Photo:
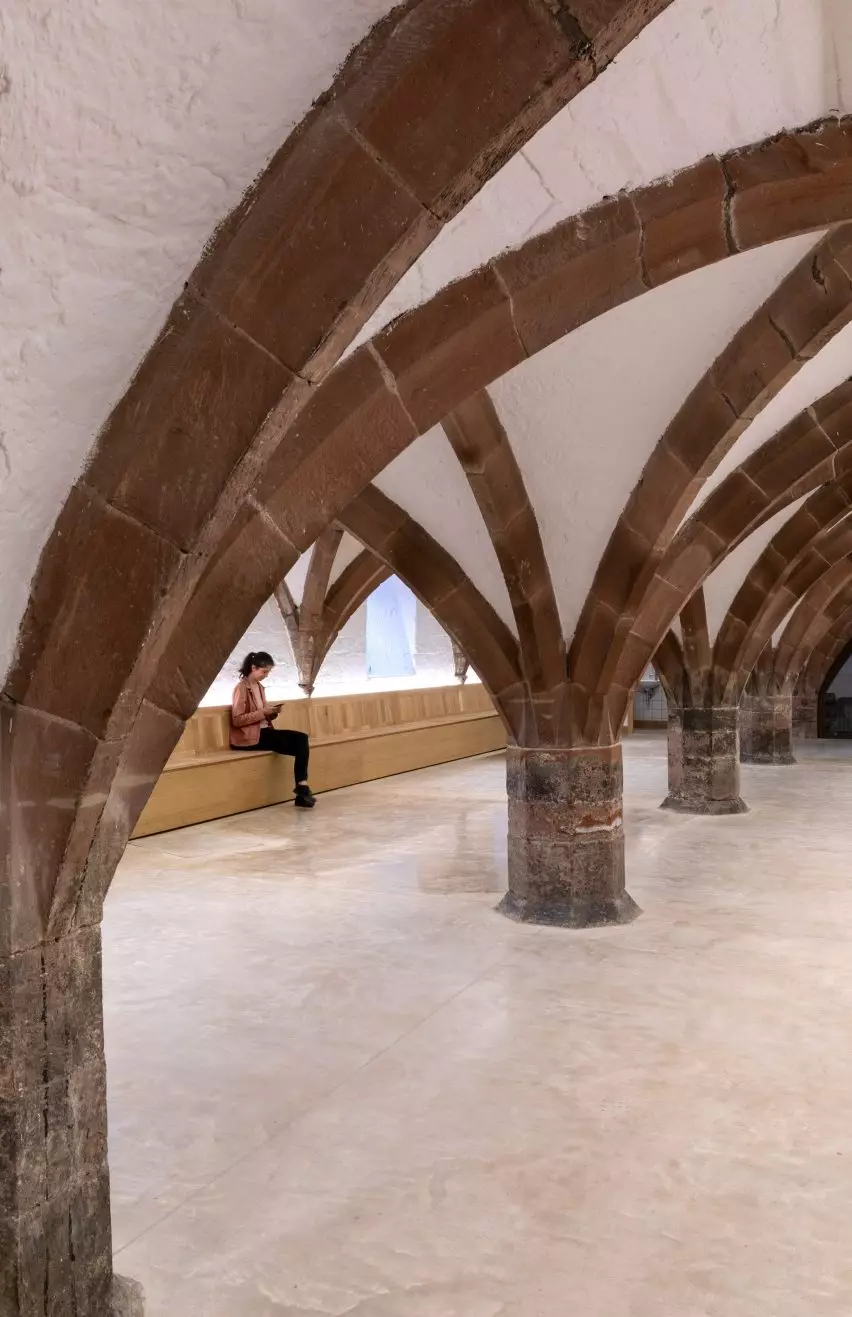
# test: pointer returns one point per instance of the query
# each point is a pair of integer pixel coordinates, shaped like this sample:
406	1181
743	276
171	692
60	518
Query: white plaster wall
346	663
429	483
433	655
706	76
651	706
127	131
345	668
721	587
584	415
267	632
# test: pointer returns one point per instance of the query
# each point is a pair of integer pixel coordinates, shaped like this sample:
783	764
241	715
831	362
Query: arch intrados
792	660
811	451
808	599
774	580
270	307
669	665
435	577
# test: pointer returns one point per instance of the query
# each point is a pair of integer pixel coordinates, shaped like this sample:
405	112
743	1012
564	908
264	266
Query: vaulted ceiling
128	138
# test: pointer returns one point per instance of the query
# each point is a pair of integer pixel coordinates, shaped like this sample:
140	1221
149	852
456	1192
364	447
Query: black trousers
285	743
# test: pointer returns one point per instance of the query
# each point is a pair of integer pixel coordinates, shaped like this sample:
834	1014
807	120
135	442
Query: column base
566	838
127	1299
571	914
779	759
710	808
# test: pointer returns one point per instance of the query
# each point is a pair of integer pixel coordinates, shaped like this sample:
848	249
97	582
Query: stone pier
766	729
566	837
805	715
55	1237
704	761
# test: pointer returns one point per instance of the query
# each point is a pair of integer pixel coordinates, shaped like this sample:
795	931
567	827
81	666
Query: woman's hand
272	711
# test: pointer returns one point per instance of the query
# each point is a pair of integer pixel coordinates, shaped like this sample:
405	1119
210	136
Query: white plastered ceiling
347	552
429	483
705	77
128	131
584	416
721	588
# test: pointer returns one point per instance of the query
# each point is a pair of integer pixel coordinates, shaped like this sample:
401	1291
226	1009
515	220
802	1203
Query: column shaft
805	715
704	761
766	729
566	837
55	1236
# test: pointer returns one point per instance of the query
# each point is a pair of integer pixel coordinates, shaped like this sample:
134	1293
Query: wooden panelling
353	739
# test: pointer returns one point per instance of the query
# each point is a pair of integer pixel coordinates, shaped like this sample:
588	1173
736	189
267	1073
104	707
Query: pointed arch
482	446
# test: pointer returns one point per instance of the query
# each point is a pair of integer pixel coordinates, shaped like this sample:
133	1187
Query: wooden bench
354	738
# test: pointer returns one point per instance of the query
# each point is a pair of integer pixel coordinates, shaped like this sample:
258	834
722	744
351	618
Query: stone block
427	62
784	187
684	224
188	419
55	1246
314	247
574	273
121	571
453	346
566	837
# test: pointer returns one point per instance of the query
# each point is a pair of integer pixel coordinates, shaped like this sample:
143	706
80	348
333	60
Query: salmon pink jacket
247	716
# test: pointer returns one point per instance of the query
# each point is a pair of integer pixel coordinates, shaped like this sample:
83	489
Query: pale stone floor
341	1083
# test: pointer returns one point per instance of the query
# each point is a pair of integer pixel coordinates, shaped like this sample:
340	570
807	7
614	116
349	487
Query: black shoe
305	798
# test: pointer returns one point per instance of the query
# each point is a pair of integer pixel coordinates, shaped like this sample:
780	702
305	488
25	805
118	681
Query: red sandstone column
566	837
766	729
805	715
55	1235
55	1231
704	761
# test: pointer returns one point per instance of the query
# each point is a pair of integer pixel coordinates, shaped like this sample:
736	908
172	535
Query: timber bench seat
354	738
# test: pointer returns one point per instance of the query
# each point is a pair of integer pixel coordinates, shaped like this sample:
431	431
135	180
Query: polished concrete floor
340	1083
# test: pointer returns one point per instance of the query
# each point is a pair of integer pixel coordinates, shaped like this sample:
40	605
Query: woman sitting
252	719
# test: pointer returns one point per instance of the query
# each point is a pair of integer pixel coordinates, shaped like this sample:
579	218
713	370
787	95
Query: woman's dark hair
259	660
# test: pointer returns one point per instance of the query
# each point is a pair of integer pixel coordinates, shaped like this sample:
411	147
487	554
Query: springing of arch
482	446
435	577
314	624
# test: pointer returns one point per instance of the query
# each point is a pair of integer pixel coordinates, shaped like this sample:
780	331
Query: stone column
704	761
766	729
55	1235
566	837
805	715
